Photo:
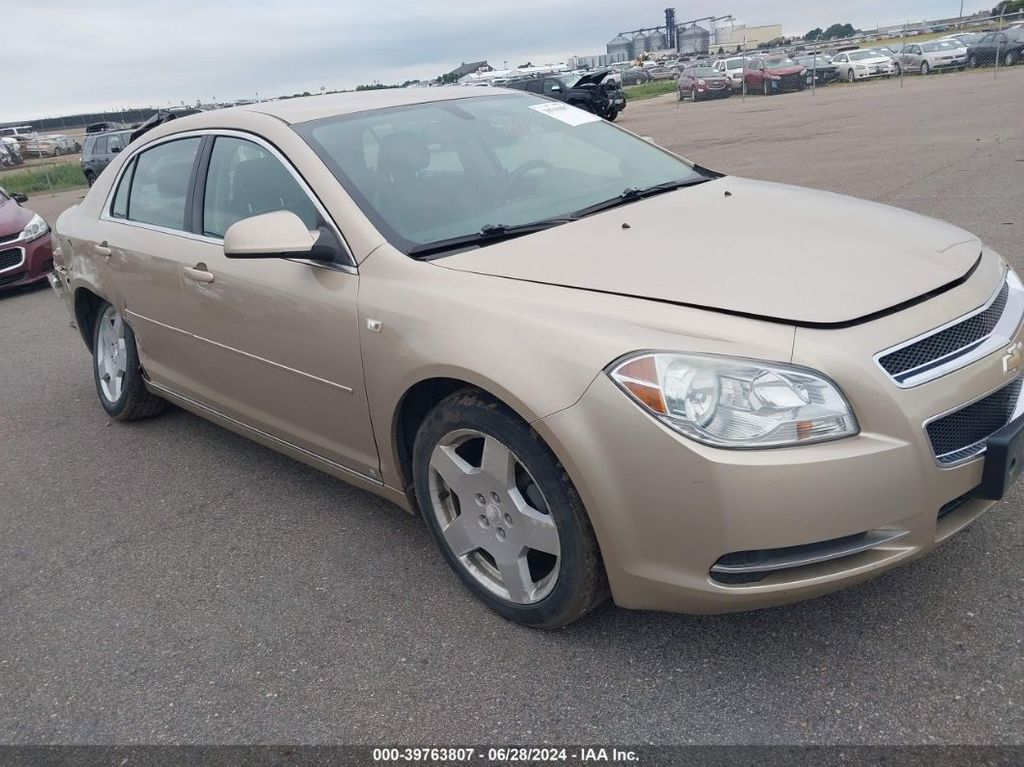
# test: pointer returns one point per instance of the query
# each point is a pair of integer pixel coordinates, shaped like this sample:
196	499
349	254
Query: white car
937	54
863	64
733	69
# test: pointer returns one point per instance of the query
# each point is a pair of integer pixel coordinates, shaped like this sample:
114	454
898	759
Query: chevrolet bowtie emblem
1012	358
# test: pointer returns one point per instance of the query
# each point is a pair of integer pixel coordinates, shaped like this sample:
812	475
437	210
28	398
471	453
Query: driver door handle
198	273
102	250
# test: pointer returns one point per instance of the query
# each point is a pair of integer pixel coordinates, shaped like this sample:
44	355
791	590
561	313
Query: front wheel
849	76
118	374
972	62
1010	59
612	114
693	95
764	88
925	69
505	514
897	70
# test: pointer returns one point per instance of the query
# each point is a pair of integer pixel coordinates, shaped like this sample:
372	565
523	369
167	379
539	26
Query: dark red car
702	83
26	254
774	74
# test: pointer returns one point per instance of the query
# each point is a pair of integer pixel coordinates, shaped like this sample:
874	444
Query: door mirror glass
280	234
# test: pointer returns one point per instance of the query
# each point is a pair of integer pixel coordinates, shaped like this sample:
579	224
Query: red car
26	254
774	74
702	83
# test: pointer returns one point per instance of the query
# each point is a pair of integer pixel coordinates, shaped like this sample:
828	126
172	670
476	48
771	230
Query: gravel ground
171	582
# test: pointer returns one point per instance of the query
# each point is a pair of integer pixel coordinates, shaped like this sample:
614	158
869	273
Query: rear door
274	342
143	239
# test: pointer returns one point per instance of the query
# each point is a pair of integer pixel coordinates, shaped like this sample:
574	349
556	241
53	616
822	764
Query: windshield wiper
487	235
632	194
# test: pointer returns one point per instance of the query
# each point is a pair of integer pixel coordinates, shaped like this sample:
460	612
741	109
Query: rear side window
100	147
88	147
246	180
159	187
119	208
116	142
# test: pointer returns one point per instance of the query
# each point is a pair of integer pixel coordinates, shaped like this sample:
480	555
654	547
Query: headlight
702	82
36	228
735	402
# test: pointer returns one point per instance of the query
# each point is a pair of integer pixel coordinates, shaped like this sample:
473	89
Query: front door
275	342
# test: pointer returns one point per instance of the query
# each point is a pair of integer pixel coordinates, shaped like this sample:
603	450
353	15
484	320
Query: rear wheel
118	374
89	178
505	514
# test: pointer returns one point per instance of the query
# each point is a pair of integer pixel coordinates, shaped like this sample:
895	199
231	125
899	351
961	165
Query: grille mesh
962	433
946	341
10	257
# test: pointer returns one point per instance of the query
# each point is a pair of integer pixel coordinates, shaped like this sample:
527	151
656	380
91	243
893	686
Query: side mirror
115	149
19	197
280	234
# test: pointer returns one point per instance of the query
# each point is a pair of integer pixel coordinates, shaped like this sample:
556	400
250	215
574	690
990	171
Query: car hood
13	218
594	78
748	247
782	71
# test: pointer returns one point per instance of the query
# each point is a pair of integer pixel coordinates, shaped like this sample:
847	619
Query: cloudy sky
65	56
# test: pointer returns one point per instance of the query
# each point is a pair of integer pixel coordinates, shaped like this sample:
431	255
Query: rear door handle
198	273
102	249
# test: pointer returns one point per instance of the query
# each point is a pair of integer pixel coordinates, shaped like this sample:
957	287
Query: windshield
734	64
862	55
779	61
705	72
431	172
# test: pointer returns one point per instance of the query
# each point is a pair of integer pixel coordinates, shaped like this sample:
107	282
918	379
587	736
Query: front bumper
32	261
667	510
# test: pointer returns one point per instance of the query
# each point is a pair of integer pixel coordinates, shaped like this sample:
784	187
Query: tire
693	95
765	89
897	70
925	69
527	490
679	94
849	76
1009	59
90	179
972	61
116	369
612	115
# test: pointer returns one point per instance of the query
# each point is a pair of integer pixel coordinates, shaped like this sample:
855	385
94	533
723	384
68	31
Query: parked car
662	73
774	74
39	145
431	294
589	93
103	127
10	152
15	131
26	254
636	76
99	149
923	58
820	69
733	69
863	64
1007	47
966	38
702	83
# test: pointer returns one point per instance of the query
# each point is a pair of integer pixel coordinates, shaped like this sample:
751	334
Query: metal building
621	46
694	40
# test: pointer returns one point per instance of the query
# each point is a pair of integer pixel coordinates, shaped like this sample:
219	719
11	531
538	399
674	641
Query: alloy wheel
111	354
493	516
925	69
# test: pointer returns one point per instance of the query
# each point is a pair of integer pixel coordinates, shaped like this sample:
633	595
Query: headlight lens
36	228
734	402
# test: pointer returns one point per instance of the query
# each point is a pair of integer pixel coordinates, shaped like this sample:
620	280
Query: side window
552	86
246	180
159	187
88	147
535	86
116	143
119	208
100	146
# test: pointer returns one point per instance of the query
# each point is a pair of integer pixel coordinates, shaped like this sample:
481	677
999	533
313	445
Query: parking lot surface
169	581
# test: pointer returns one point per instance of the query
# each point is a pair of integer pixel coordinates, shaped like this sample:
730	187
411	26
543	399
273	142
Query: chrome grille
10	258
961	434
953	340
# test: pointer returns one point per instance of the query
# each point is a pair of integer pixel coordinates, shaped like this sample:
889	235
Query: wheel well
87	305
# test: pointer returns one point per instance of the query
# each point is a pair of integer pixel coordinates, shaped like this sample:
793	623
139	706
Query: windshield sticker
564	113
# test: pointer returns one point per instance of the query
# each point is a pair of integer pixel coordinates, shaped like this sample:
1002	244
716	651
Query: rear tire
116	369
490	492
90	179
